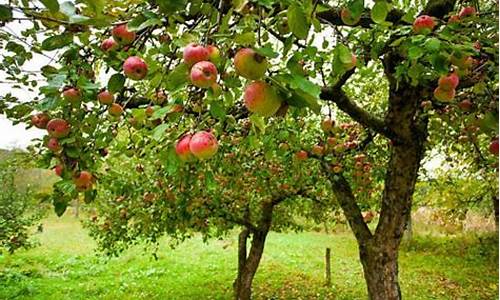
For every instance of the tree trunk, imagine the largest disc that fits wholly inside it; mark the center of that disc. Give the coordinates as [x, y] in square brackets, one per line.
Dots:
[244, 286]
[380, 266]
[242, 257]
[494, 198]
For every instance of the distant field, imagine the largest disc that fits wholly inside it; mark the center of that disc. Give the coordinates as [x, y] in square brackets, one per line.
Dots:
[65, 267]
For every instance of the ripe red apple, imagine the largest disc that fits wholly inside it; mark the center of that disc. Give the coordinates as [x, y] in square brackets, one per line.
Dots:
[105, 97]
[203, 74]
[182, 148]
[203, 145]
[327, 125]
[262, 99]
[53, 145]
[465, 105]
[494, 147]
[83, 181]
[58, 169]
[40, 120]
[449, 82]
[423, 24]
[135, 68]
[318, 150]
[194, 53]
[443, 95]
[347, 17]
[115, 110]
[250, 64]
[301, 155]
[122, 35]
[109, 45]
[58, 128]
[72, 95]
[213, 54]
[454, 19]
[468, 11]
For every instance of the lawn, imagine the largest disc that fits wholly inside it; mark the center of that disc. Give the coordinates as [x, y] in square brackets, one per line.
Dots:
[65, 266]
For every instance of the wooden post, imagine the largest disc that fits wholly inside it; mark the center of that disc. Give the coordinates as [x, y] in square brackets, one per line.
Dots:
[328, 273]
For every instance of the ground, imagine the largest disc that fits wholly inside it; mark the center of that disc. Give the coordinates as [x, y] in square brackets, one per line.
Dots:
[65, 266]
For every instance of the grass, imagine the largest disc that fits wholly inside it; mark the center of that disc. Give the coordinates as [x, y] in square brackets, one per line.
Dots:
[64, 266]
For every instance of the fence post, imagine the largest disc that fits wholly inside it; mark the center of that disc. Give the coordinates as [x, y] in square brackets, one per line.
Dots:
[328, 273]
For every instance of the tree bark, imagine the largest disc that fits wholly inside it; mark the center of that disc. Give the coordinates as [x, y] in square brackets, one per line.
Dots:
[494, 198]
[242, 257]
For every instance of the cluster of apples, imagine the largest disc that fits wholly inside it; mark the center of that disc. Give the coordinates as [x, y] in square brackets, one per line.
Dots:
[425, 24]
[447, 84]
[466, 12]
[202, 145]
[201, 60]
[58, 129]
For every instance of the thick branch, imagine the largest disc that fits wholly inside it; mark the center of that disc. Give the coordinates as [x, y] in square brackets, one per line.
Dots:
[332, 17]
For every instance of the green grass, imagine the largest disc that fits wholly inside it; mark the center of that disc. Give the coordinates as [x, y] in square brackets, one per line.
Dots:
[65, 267]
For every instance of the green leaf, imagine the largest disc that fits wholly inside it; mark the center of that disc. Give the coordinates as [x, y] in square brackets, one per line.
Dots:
[299, 82]
[178, 77]
[68, 8]
[59, 207]
[415, 52]
[489, 123]
[149, 23]
[159, 131]
[344, 54]
[57, 41]
[258, 122]
[267, 51]
[247, 38]
[433, 45]
[356, 7]
[51, 5]
[162, 112]
[217, 111]
[379, 12]
[298, 21]
[171, 6]
[116, 82]
[5, 13]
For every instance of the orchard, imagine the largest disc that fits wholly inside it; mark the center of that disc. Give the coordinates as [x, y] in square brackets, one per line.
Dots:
[177, 118]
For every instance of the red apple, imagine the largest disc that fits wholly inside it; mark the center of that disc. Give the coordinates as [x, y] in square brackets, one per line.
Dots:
[331, 141]
[109, 45]
[40, 120]
[182, 148]
[106, 98]
[262, 99]
[213, 54]
[194, 53]
[149, 111]
[203, 74]
[135, 68]
[115, 110]
[301, 155]
[58, 128]
[53, 145]
[468, 11]
[203, 145]
[72, 94]
[347, 17]
[58, 169]
[449, 82]
[454, 19]
[423, 24]
[250, 64]
[494, 147]
[318, 150]
[465, 105]
[122, 35]
[327, 125]
[444, 95]
[83, 181]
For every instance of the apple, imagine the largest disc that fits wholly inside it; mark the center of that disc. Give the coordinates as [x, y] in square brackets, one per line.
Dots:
[135, 68]
[449, 82]
[348, 18]
[337, 168]
[283, 27]
[318, 150]
[358, 165]
[494, 147]
[203, 145]
[454, 19]
[213, 54]
[284, 146]
[352, 64]
[72, 94]
[301, 155]
[105, 97]
[53, 145]
[176, 108]
[331, 141]
[250, 64]
[40, 120]
[115, 110]
[109, 45]
[83, 181]
[203, 74]
[194, 53]
[327, 125]
[262, 99]
[182, 148]
[58, 169]
[444, 95]
[423, 24]
[465, 105]
[58, 128]
[149, 111]
[464, 62]
[160, 97]
[122, 35]
[466, 12]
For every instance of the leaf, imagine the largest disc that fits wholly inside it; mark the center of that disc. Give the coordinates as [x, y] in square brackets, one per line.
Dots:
[415, 52]
[159, 131]
[178, 77]
[433, 44]
[149, 23]
[297, 21]
[344, 54]
[356, 7]
[161, 113]
[217, 111]
[60, 207]
[258, 122]
[52, 5]
[489, 123]
[299, 82]
[247, 38]
[379, 12]
[68, 8]
[116, 82]
[57, 41]
[267, 51]
[171, 6]
[5, 13]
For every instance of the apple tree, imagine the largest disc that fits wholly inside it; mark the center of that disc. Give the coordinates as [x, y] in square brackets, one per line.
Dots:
[172, 84]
